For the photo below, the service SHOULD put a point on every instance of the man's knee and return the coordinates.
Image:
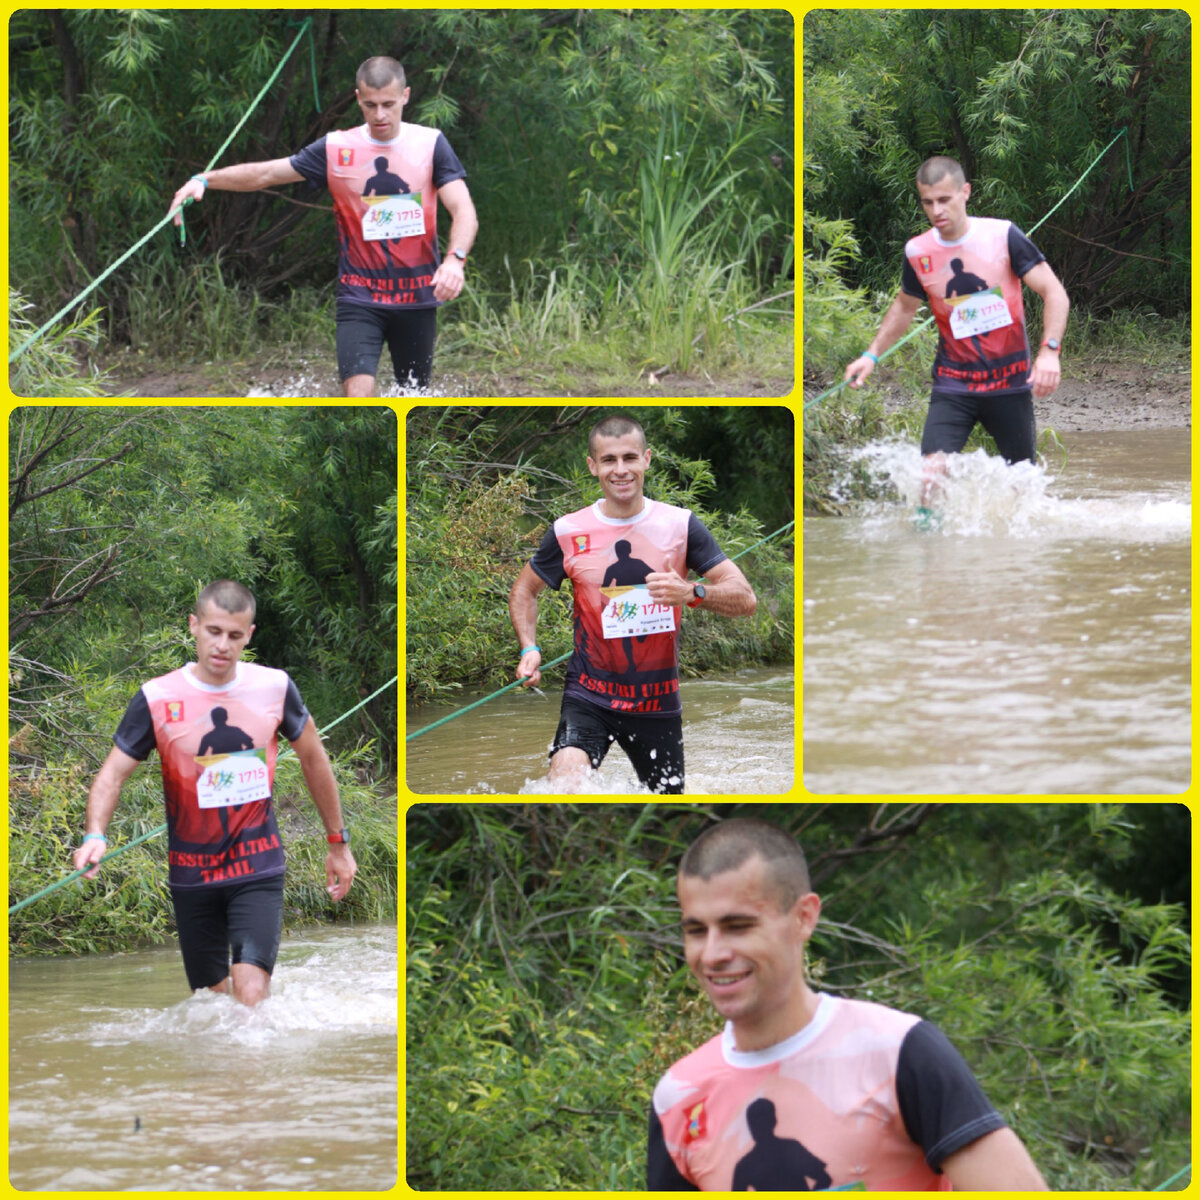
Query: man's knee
(359, 385)
(251, 984)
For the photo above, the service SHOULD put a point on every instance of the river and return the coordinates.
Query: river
(116, 1083)
(1037, 642)
(738, 737)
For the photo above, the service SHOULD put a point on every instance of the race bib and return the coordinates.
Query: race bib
(389, 217)
(980, 313)
(630, 612)
(232, 779)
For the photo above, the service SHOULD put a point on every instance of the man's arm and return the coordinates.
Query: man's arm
(448, 278)
(895, 323)
(1047, 367)
(340, 866)
(523, 612)
(242, 177)
(101, 804)
(997, 1162)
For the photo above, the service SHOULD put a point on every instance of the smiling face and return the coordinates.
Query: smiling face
(382, 109)
(945, 204)
(220, 639)
(620, 463)
(747, 953)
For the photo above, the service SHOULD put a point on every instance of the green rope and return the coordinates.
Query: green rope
(1162, 1187)
(87, 291)
(162, 828)
(837, 387)
(508, 687)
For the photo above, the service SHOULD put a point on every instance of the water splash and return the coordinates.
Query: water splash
(980, 495)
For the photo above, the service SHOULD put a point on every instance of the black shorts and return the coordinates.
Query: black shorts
(245, 918)
(1009, 419)
(409, 333)
(654, 744)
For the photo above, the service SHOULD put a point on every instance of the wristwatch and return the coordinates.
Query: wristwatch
(698, 592)
(341, 838)
(1052, 344)
(461, 255)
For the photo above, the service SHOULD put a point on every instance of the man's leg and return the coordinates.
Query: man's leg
(948, 424)
(255, 916)
(410, 336)
(655, 747)
(360, 333)
(1010, 421)
(580, 742)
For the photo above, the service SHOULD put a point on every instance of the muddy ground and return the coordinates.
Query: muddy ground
(318, 377)
(1100, 397)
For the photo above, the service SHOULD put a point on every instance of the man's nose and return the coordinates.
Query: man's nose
(716, 948)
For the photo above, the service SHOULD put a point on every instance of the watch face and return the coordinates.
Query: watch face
(698, 590)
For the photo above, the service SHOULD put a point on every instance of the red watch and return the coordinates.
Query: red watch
(698, 593)
(341, 838)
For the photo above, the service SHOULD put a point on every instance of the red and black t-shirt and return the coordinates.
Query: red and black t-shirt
(626, 648)
(217, 746)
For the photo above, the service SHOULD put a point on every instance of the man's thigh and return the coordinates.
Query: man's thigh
(948, 423)
(360, 336)
(1010, 421)
(655, 747)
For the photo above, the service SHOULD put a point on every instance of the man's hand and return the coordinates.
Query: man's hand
(92, 851)
(668, 587)
(340, 869)
(193, 190)
(448, 279)
(1047, 372)
(527, 668)
(859, 370)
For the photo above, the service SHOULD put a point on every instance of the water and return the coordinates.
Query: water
(738, 738)
(1036, 642)
(118, 1084)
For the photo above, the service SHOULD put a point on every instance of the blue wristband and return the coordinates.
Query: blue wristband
(868, 354)
(202, 180)
(93, 837)
(528, 648)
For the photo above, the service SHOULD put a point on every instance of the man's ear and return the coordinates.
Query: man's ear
(807, 910)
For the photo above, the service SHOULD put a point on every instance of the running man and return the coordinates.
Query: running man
(391, 278)
(804, 1090)
(970, 271)
(226, 861)
(627, 558)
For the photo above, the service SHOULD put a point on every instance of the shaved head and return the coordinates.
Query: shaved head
(733, 843)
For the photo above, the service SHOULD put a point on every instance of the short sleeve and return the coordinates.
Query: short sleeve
(1022, 253)
(135, 733)
(910, 285)
(662, 1175)
(703, 553)
(311, 163)
(295, 714)
(941, 1102)
(547, 563)
(446, 167)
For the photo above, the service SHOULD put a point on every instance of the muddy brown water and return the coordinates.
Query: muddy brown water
(121, 1081)
(1037, 642)
(738, 738)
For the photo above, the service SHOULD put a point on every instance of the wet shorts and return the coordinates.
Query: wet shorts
(409, 333)
(654, 744)
(1009, 419)
(246, 918)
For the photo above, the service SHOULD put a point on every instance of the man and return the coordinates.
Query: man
(390, 275)
(214, 723)
(627, 558)
(970, 270)
(804, 1091)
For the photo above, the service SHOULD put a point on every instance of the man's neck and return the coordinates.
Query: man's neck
(620, 512)
(782, 1027)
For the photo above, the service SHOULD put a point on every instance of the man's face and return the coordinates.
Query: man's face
(620, 464)
(747, 953)
(945, 204)
(220, 639)
(382, 109)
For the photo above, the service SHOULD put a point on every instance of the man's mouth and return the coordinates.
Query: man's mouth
(721, 981)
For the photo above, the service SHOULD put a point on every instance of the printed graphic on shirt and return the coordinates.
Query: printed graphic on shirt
(393, 209)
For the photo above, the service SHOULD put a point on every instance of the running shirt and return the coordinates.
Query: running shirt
(863, 1098)
(626, 647)
(217, 747)
(973, 287)
(385, 205)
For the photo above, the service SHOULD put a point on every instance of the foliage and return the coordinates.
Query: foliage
(483, 484)
(546, 995)
(51, 366)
